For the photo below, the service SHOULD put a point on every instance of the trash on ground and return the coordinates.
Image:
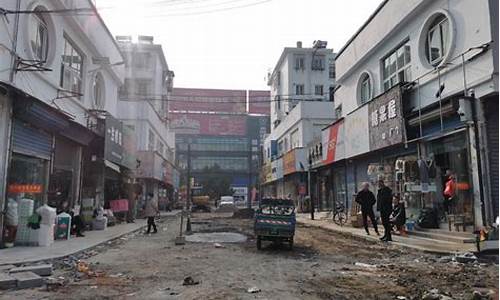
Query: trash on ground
(190, 281)
(217, 245)
(467, 257)
(253, 290)
(363, 265)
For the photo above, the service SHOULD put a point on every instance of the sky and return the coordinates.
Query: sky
(232, 44)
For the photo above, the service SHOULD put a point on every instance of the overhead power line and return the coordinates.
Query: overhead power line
(135, 98)
(209, 11)
(71, 11)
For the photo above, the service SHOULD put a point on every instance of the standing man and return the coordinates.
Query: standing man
(366, 199)
(151, 211)
(384, 205)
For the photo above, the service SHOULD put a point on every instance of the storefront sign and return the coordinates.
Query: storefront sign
(208, 124)
(333, 142)
(386, 119)
(113, 142)
(289, 162)
(266, 175)
(25, 188)
(356, 132)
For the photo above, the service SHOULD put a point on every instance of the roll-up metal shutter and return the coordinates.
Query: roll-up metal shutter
(492, 135)
(31, 141)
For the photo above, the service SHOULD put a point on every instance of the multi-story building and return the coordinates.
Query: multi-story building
(302, 85)
(143, 100)
(223, 138)
(418, 96)
(60, 75)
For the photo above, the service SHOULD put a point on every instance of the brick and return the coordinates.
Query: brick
(7, 281)
(42, 270)
(26, 280)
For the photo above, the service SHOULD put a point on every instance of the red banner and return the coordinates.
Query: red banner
(25, 188)
(331, 145)
(208, 100)
(208, 124)
(259, 102)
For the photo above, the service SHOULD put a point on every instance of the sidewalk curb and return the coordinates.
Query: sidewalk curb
(33, 261)
(375, 240)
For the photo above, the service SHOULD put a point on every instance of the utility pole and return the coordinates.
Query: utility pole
(14, 43)
(188, 190)
(311, 202)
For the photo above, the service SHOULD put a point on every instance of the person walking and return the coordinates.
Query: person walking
(384, 206)
(150, 211)
(366, 199)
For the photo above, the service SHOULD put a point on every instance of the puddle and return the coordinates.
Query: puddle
(216, 237)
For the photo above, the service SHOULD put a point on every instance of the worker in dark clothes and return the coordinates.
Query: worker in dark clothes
(384, 206)
(366, 199)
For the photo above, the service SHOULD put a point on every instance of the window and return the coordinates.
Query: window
(294, 139)
(299, 89)
(280, 148)
(126, 88)
(141, 60)
(331, 69)
(151, 140)
(142, 87)
(396, 67)
(338, 111)
(332, 93)
(160, 147)
(71, 68)
(97, 91)
(318, 63)
(318, 90)
(438, 39)
(39, 36)
(299, 62)
(365, 89)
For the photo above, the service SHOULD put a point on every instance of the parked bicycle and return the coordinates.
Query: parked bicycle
(339, 213)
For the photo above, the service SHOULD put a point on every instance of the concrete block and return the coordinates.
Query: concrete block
(42, 270)
(7, 281)
(6, 268)
(26, 280)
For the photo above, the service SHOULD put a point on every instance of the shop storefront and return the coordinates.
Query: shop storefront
(33, 131)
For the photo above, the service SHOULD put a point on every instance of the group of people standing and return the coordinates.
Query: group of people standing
(391, 208)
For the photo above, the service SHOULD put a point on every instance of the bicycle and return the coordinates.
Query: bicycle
(339, 213)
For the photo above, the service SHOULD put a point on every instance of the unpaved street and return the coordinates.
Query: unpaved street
(323, 265)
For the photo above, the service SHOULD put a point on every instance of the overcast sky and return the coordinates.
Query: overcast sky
(231, 44)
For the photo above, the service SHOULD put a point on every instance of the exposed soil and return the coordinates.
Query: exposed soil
(322, 265)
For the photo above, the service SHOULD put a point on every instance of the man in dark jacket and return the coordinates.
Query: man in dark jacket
(384, 206)
(366, 199)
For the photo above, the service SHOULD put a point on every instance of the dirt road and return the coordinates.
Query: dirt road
(323, 265)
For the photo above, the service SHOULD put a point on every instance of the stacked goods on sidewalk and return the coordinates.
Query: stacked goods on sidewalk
(24, 234)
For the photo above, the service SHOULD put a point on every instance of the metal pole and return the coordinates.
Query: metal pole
(311, 202)
(188, 190)
(440, 104)
(419, 108)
